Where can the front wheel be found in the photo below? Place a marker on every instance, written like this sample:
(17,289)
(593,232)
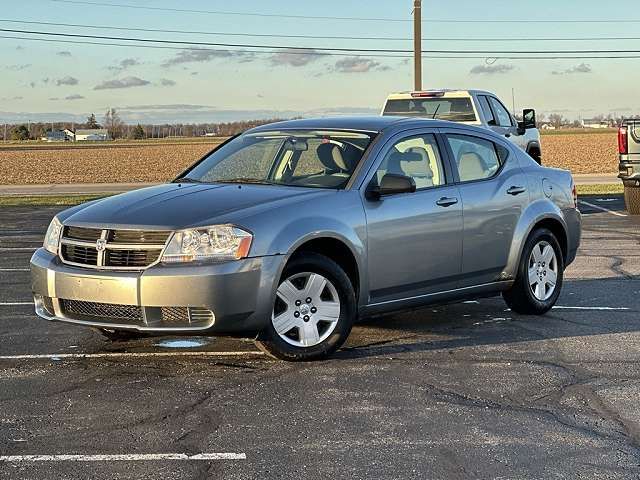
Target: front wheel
(632,200)
(313,312)
(540,273)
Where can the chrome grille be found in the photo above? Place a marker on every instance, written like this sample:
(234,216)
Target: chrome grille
(131,258)
(79,254)
(79,233)
(118,250)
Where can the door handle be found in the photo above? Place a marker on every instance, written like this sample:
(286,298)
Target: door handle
(514,190)
(447,201)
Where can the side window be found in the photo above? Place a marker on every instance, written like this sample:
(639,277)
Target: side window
(476,158)
(504,119)
(416,157)
(486,110)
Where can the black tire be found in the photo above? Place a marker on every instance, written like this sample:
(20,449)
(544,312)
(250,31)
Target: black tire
(121,335)
(520,297)
(632,200)
(270,341)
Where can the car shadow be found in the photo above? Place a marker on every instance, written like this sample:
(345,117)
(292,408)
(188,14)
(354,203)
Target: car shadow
(585,308)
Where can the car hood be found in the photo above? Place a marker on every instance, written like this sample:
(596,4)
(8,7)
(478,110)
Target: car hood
(175,206)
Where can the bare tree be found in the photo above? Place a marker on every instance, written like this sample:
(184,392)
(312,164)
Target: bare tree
(113,123)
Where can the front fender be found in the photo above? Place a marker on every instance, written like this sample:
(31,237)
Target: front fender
(541,209)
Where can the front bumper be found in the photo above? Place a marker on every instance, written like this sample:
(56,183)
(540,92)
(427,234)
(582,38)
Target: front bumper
(237,294)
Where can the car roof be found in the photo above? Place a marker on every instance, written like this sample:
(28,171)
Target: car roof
(374,124)
(446,91)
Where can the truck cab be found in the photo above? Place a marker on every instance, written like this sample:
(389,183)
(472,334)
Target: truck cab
(472,107)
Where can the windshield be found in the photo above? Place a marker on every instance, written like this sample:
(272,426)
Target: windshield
(453,109)
(304,158)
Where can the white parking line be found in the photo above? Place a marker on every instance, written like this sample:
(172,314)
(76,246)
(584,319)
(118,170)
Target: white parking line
(18,249)
(14,269)
(560,307)
(144,457)
(14,304)
(598,207)
(61,356)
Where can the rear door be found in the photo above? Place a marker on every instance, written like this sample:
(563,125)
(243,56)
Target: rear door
(493,191)
(414,240)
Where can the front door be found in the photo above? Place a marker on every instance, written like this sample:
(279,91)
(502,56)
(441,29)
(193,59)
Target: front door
(414,241)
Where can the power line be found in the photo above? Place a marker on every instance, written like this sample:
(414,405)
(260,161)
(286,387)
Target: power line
(320,17)
(321,37)
(291,48)
(328,54)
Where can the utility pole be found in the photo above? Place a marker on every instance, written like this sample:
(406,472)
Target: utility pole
(513,100)
(417,43)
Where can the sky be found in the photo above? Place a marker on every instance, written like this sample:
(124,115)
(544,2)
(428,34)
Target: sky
(56,81)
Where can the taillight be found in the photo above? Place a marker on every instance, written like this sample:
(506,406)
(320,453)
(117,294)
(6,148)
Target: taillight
(574,192)
(623,141)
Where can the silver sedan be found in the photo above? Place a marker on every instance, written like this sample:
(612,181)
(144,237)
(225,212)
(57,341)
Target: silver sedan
(292,231)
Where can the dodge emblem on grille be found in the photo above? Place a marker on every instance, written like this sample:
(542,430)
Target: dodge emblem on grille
(101,245)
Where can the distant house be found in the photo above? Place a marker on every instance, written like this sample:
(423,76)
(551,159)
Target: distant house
(65,135)
(92,135)
(594,123)
(548,126)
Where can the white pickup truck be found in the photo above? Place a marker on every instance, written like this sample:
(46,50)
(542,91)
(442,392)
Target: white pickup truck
(473,107)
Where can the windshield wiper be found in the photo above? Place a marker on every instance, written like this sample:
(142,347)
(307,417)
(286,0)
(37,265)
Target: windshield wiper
(258,181)
(186,180)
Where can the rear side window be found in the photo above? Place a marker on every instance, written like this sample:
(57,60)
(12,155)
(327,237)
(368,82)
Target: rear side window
(486,110)
(503,117)
(475,157)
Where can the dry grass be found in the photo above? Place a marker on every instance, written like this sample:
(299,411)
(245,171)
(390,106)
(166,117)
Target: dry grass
(581,152)
(107,163)
(128,162)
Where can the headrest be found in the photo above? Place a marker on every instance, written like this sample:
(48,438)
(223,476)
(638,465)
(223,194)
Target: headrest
(331,157)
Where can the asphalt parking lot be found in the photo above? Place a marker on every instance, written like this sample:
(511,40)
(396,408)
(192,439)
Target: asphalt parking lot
(460,391)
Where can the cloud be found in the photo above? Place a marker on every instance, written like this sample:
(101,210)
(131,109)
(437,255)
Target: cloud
(358,65)
(75,96)
(17,68)
(492,69)
(19,47)
(53,99)
(295,57)
(125,64)
(67,81)
(126,82)
(582,68)
(197,55)
(64,53)
(165,82)
(172,106)
(4,99)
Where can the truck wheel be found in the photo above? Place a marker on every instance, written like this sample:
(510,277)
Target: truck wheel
(313,312)
(539,279)
(632,200)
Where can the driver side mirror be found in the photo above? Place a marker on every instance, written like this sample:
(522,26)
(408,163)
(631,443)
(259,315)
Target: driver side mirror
(391,184)
(528,120)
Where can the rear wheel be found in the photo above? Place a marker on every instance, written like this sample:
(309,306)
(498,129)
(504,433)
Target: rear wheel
(313,311)
(632,200)
(540,273)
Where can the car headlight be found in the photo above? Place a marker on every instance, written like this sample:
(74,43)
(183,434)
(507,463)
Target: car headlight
(52,237)
(217,243)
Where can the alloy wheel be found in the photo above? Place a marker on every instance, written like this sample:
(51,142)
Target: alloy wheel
(307,309)
(543,271)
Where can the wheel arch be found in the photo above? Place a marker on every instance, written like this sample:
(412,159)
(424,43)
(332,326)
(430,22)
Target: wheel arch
(335,247)
(540,214)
